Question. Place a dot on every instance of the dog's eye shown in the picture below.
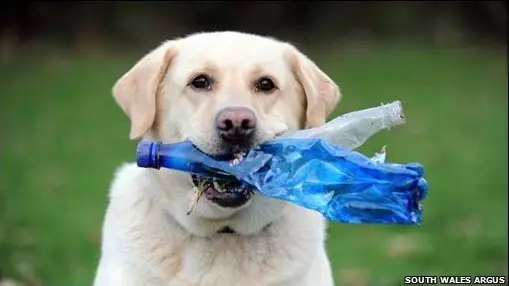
(265, 85)
(202, 82)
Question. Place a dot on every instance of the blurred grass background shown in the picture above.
(63, 136)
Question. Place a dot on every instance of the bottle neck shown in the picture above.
(392, 115)
(147, 154)
(182, 156)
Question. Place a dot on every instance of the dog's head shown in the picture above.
(226, 92)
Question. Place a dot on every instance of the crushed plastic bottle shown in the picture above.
(343, 185)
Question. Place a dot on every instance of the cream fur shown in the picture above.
(147, 237)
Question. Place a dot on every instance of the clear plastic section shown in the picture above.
(353, 129)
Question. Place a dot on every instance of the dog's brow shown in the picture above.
(257, 70)
(207, 67)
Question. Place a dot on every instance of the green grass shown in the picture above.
(63, 136)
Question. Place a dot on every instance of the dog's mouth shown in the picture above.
(224, 193)
(228, 194)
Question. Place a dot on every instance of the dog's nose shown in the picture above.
(236, 124)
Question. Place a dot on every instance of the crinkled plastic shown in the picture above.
(351, 130)
(343, 185)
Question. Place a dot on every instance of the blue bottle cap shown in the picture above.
(147, 154)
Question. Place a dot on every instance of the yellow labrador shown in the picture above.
(226, 92)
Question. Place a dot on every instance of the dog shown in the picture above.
(226, 92)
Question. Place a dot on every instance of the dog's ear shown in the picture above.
(322, 93)
(136, 91)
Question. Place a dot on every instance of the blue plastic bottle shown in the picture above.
(343, 185)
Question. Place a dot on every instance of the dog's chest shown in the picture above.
(226, 259)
